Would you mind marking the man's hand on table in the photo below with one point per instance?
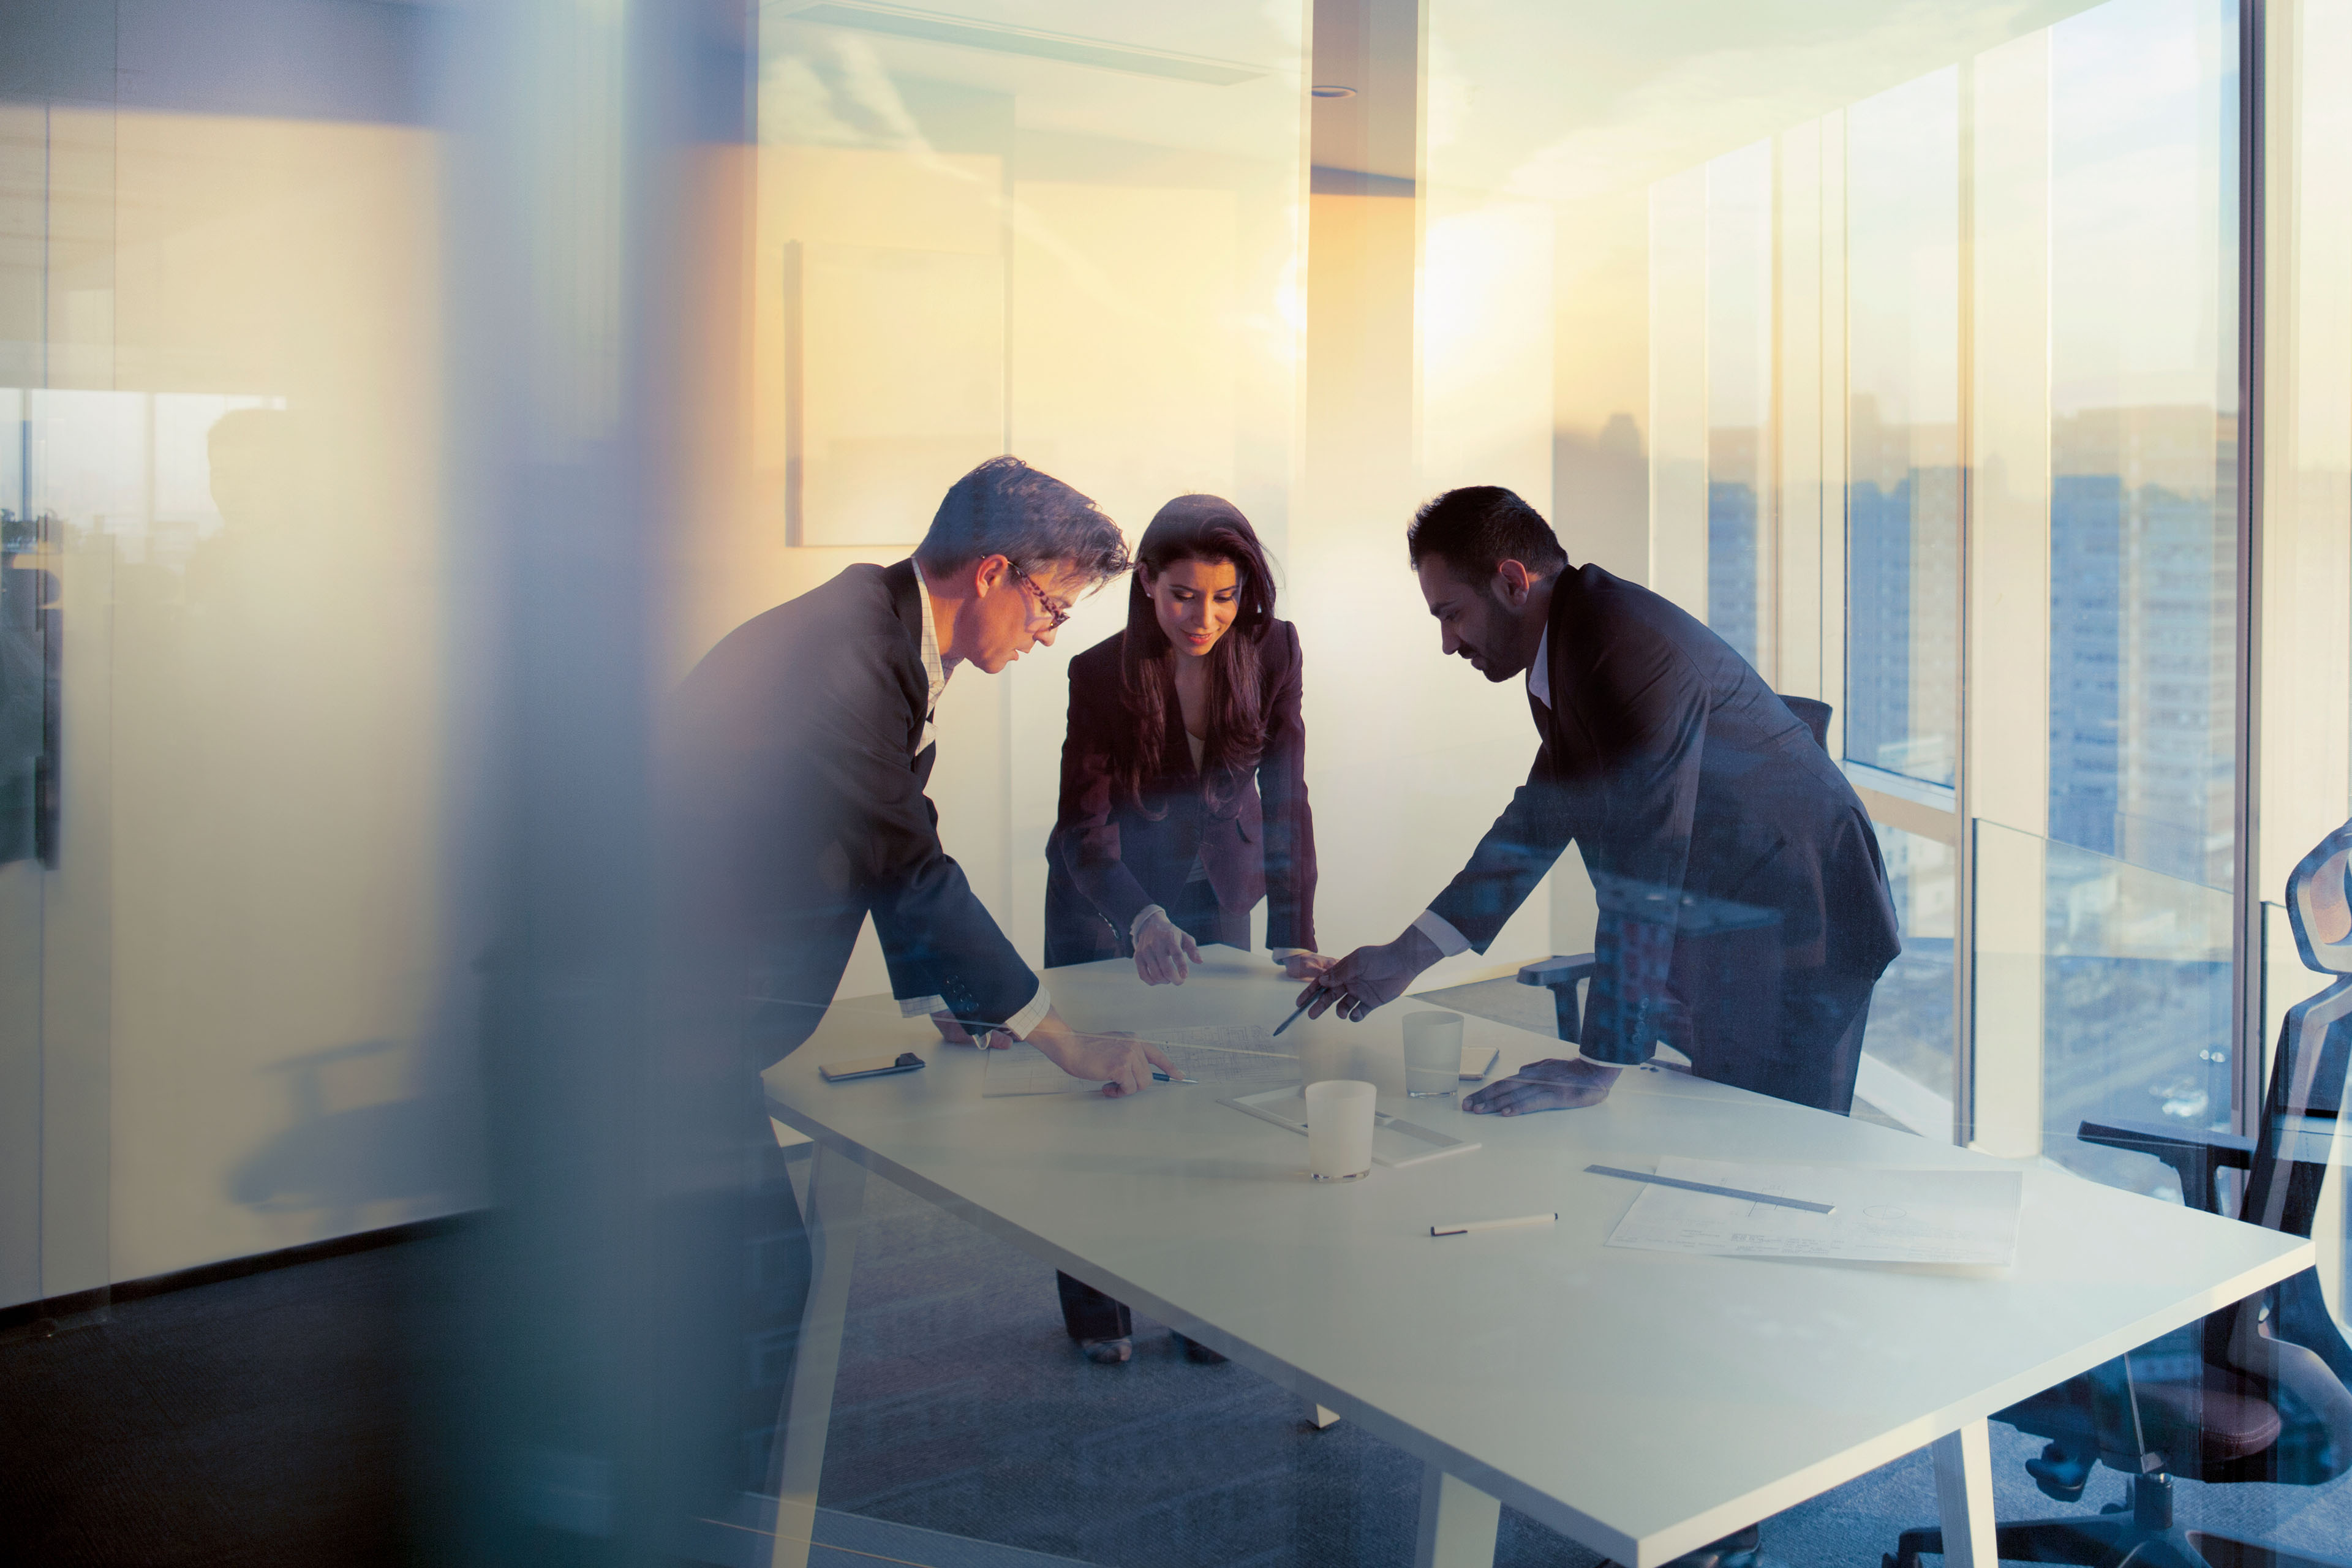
(1304, 965)
(1369, 977)
(955, 1034)
(1554, 1085)
(1124, 1066)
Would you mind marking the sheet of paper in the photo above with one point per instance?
(1884, 1214)
(1026, 1070)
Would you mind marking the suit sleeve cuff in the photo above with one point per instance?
(921, 1007)
(1029, 1017)
(1439, 931)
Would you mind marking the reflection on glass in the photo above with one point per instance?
(1739, 397)
(1911, 1011)
(1904, 504)
(2136, 1008)
(2144, 438)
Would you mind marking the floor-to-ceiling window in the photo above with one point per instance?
(2027, 292)
(1739, 402)
(2143, 545)
(1903, 490)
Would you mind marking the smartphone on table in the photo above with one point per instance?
(869, 1067)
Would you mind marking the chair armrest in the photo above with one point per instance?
(1561, 976)
(2193, 1156)
(1556, 970)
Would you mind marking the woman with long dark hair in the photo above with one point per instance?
(1183, 799)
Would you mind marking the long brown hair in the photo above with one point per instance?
(1194, 528)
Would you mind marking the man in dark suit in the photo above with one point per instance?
(1744, 909)
(796, 758)
(805, 748)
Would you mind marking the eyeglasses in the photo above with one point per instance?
(1059, 612)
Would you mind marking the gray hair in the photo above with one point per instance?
(1006, 508)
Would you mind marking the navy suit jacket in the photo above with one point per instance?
(798, 781)
(1673, 768)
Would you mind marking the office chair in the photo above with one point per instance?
(2266, 1397)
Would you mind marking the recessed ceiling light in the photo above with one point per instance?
(1331, 89)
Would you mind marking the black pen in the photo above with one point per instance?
(1302, 1007)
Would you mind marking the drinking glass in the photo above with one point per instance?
(1339, 1129)
(1433, 1054)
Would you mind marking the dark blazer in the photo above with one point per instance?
(798, 808)
(1673, 766)
(1105, 860)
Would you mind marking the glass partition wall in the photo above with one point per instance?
(377, 469)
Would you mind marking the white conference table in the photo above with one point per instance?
(1642, 1402)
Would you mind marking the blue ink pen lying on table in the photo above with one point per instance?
(1163, 1078)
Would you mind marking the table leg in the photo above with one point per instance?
(1325, 1417)
(1964, 1496)
(837, 1199)
(1458, 1523)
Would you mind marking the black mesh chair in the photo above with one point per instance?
(2261, 1393)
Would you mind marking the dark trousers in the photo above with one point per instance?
(733, 1272)
(1810, 1058)
(1089, 1314)
(726, 1262)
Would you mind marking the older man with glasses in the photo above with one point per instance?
(805, 746)
(796, 761)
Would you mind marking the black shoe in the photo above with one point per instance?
(1740, 1549)
(1195, 1350)
(2059, 1475)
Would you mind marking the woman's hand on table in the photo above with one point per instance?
(1554, 1085)
(1163, 955)
(1122, 1064)
(1304, 965)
